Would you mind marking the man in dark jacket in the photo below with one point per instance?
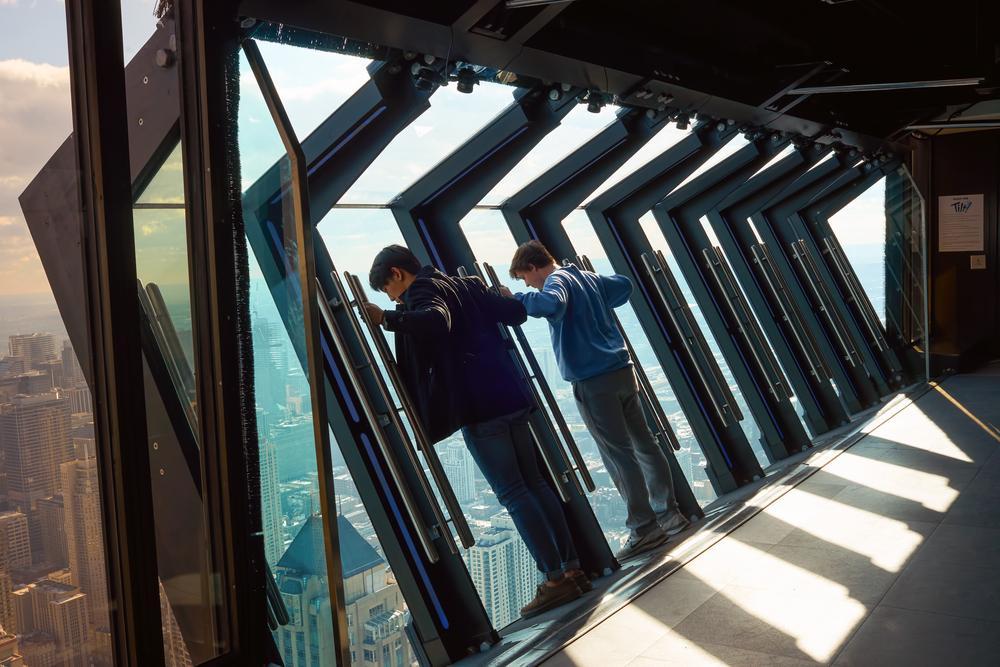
(460, 375)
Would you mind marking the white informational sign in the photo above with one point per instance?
(960, 223)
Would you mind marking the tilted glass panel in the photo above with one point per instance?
(161, 267)
(660, 142)
(652, 230)
(162, 270)
(732, 145)
(452, 119)
(293, 519)
(860, 227)
(576, 128)
(312, 84)
(167, 186)
(906, 271)
(690, 457)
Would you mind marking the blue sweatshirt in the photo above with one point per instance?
(578, 306)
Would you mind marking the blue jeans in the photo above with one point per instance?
(504, 450)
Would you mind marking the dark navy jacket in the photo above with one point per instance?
(453, 360)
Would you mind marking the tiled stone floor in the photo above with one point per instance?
(888, 555)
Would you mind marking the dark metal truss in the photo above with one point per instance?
(710, 278)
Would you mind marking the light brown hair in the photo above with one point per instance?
(528, 255)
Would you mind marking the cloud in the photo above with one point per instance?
(35, 118)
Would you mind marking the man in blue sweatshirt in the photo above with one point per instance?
(592, 356)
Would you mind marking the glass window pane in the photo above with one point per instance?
(576, 128)
(860, 227)
(731, 146)
(652, 230)
(312, 84)
(167, 185)
(661, 141)
(453, 118)
(293, 519)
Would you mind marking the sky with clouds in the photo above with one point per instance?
(35, 118)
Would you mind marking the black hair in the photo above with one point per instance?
(389, 258)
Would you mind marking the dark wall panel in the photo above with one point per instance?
(965, 302)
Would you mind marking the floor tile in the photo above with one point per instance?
(778, 622)
(956, 545)
(941, 587)
(675, 650)
(893, 636)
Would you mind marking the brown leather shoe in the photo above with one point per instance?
(550, 597)
(581, 580)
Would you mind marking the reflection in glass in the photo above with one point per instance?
(188, 602)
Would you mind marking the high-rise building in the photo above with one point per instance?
(72, 372)
(15, 542)
(34, 442)
(60, 611)
(375, 608)
(525, 575)
(34, 382)
(270, 502)
(39, 649)
(34, 347)
(11, 366)
(53, 370)
(82, 514)
(175, 650)
(9, 655)
(459, 468)
(52, 522)
(502, 570)
(79, 399)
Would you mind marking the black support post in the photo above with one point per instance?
(743, 346)
(778, 314)
(811, 296)
(101, 130)
(208, 58)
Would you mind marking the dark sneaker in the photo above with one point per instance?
(675, 524)
(636, 546)
(550, 597)
(581, 580)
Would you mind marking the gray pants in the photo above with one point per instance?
(610, 407)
